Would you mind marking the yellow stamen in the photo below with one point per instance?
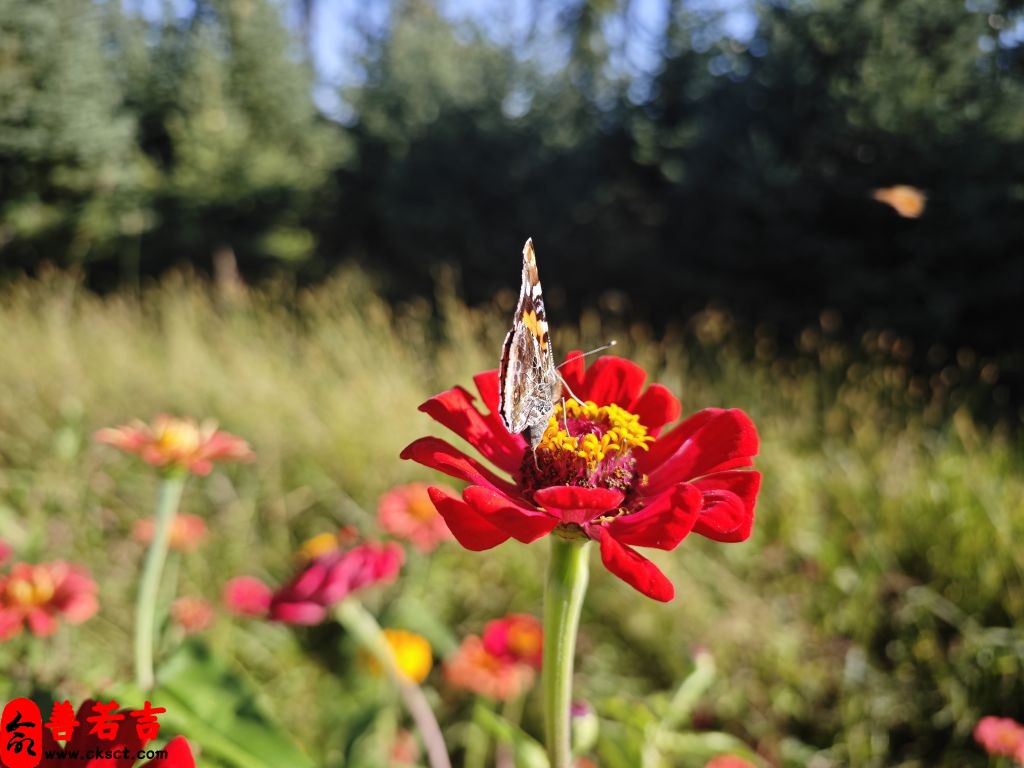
(622, 431)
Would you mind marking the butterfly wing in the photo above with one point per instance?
(528, 382)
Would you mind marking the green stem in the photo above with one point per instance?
(361, 624)
(478, 740)
(563, 601)
(149, 584)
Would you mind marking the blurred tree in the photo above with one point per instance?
(73, 185)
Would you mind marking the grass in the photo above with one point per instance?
(871, 619)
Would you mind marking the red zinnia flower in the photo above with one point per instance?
(518, 637)
(37, 595)
(322, 583)
(177, 444)
(603, 470)
(127, 743)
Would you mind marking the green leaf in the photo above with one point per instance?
(528, 751)
(215, 707)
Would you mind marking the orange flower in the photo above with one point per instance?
(187, 532)
(909, 202)
(407, 512)
(177, 444)
(192, 614)
(472, 668)
(40, 594)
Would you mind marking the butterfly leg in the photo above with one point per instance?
(565, 420)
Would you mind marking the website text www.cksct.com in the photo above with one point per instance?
(105, 754)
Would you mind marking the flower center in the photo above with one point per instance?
(587, 445)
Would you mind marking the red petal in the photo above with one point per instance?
(663, 523)
(572, 504)
(635, 569)
(572, 370)
(487, 386)
(437, 454)
(725, 439)
(613, 380)
(656, 408)
(466, 524)
(455, 410)
(665, 446)
(179, 755)
(728, 508)
(524, 524)
(302, 613)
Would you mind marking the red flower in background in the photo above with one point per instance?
(247, 596)
(39, 595)
(179, 753)
(407, 513)
(728, 761)
(472, 668)
(1000, 736)
(603, 470)
(192, 614)
(187, 532)
(322, 583)
(517, 638)
(177, 444)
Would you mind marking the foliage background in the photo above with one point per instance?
(705, 198)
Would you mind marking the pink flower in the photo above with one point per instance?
(37, 595)
(518, 637)
(407, 512)
(999, 735)
(728, 761)
(247, 596)
(472, 668)
(322, 583)
(177, 444)
(6, 550)
(187, 532)
(192, 614)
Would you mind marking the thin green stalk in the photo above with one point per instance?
(361, 624)
(149, 584)
(478, 740)
(563, 601)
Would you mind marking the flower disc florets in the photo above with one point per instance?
(588, 445)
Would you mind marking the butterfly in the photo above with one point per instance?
(528, 384)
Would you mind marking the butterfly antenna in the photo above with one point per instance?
(580, 356)
(571, 393)
(594, 351)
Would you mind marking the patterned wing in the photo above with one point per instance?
(528, 383)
